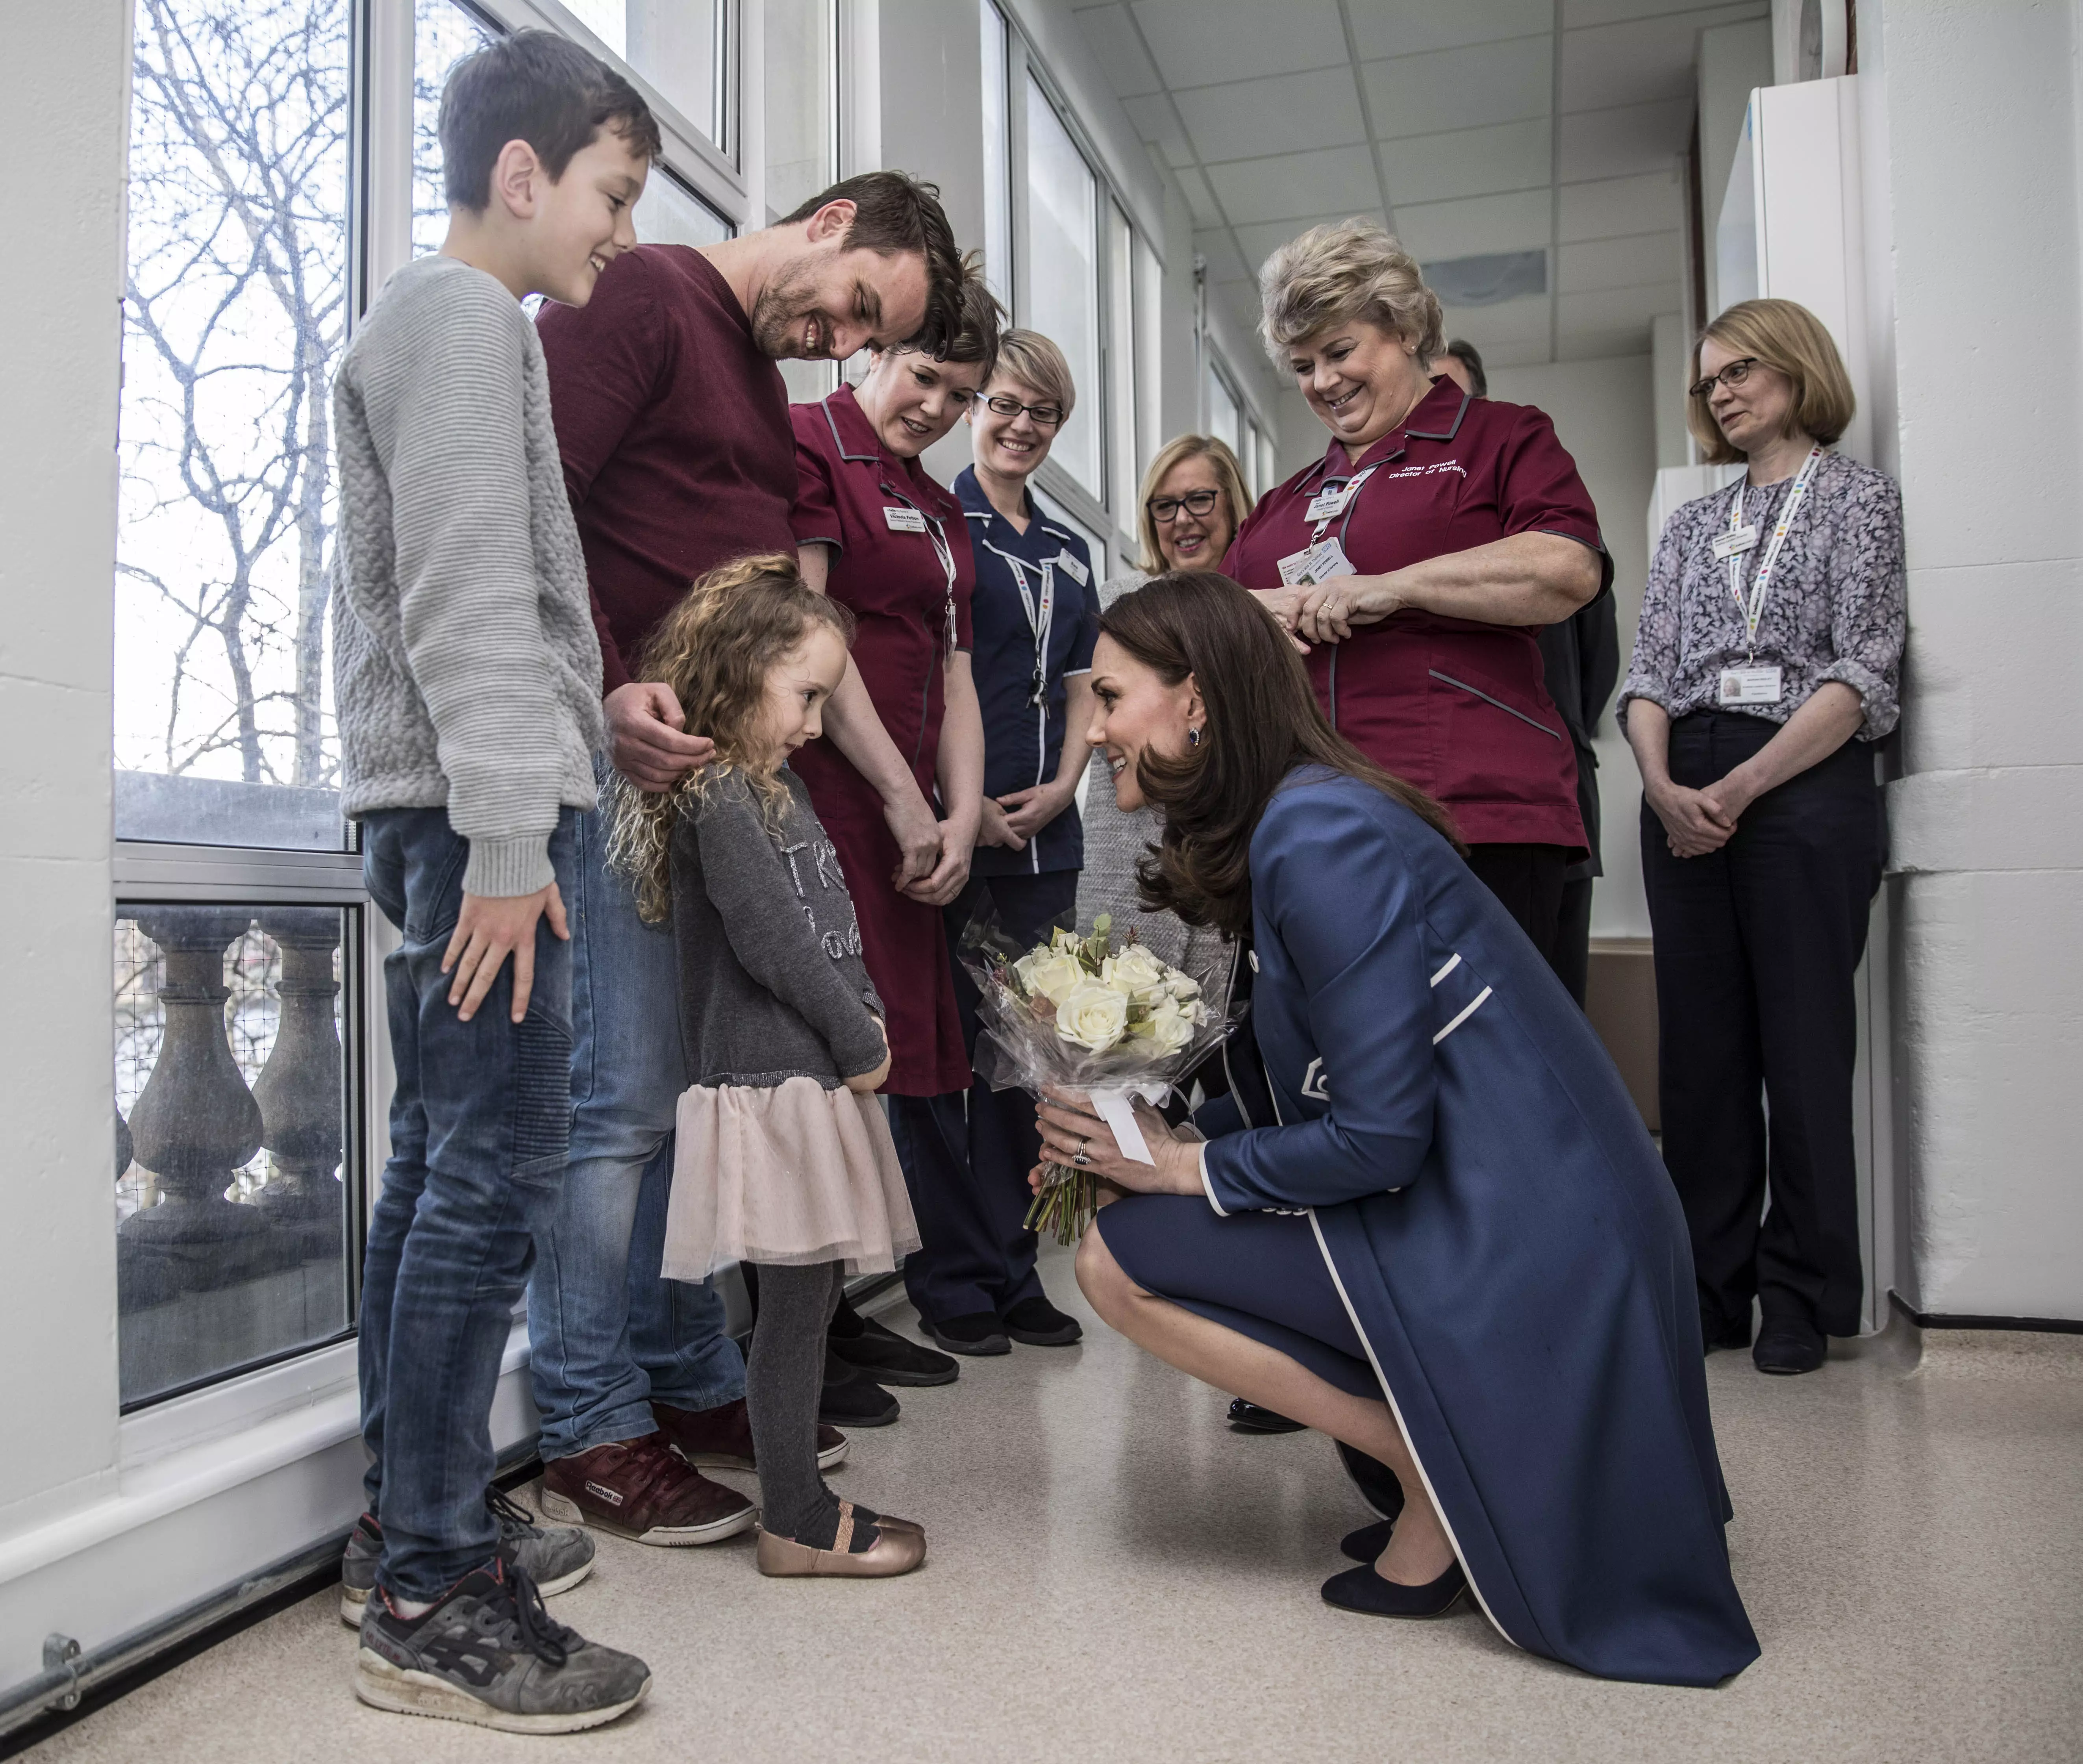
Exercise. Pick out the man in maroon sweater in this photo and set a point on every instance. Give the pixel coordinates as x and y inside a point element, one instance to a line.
<point>673,421</point>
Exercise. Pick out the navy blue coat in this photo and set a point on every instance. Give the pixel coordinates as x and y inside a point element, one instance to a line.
<point>1505,1238</point>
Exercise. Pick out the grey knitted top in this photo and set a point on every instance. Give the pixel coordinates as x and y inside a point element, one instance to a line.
<point>466,666</point>
<point>1115,842</point>
<point>772,985</point>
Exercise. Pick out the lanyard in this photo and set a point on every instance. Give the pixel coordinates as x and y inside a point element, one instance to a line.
<point>941,549</point>
<point>1347,493</point>
<point>1041,619</point>
<point>1752,610</point>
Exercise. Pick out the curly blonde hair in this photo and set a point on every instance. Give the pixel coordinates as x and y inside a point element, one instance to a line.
<point>1347,270</point>
<point>714,650</point>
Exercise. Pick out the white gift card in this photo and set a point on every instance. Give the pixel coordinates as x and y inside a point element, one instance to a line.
<point>1073,568</point>
<point>1117,1108</point>
<point>904,520</point>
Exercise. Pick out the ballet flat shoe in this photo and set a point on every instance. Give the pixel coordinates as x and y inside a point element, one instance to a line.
<point>893,1553</point>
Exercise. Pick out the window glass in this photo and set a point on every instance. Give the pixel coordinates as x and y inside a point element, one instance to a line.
<point>802,139</point>
<point>672,42</point>
<point>1222,410</point>
<point>442,34</point>
<point>234,313</point>
<point>1125,467</point>
<point>997,158</point>
<point>1268,469</point>
<point>670,214</point>
<point>1052,508</point>
<point>231,1236</point>
<point>1062,276</point>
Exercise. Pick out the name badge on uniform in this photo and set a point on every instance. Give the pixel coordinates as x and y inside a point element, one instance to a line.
<point>1072,568</point>
<point>1316,564</point>
<point>1733,543</point>
<point>1326,504</point>
<point>904,520</point>
<point>1749,686</point>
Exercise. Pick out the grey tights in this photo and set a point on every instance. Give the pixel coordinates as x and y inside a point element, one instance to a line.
<point>784,1378</point>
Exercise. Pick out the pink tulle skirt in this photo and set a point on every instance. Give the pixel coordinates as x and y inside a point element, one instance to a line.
<point>793,1174</point>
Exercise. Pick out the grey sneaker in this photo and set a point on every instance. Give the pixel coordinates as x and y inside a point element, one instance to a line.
<point>556,1558</point>
<point>489,1654</point>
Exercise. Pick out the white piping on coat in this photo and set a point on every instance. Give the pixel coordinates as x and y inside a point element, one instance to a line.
<point>1466,1011</point>
<point>1324,1249</point>
<point>1453,962</point>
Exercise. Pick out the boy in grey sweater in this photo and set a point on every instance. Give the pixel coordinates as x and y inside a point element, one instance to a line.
<point>467,679</point>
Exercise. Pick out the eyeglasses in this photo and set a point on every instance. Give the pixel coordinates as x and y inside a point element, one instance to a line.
<point>1732,376</point>
<point>1044,415</point>
<point>1164,510</point>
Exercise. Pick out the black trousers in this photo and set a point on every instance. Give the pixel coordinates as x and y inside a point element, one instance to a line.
<point>967,1155</point>
<point>1572,957</point>
<point>1528,880</point>
<point>1755,948</point>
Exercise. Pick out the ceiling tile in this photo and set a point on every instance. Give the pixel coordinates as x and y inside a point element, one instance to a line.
<point>1466,161</point>
<point>1523,320</point>
<point>1114,38</point>
<point>1420,94</point>
<point>1512,222</point>
<point>1626,64</point>
<point>1262,239</point>
<point>1285,113</point>
<point>1613,206</point>
<point>1622,263</point>
<point>1203,42</point>
<point>1198,200</point>
<point>1289,183</point>
<point>1158,124</point>
<point>1613,307</point>
<point>1577,12</point>
<point>1412,27</point>
<point>1616,143</point>
<point>1219,250</point>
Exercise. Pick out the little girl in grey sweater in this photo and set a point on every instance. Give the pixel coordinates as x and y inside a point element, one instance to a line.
<point>784,1159</point>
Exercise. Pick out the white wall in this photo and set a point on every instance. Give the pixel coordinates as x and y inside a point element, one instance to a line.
<point>1603,413</point>
<point>1986,824</point>
<point>1733,60</point>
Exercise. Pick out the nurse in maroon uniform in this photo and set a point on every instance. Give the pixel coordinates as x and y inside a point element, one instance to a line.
<point>876,531</point>
<point>1420,557</point>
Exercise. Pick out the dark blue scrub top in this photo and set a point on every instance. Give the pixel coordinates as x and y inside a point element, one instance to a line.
<point>1023,741</point>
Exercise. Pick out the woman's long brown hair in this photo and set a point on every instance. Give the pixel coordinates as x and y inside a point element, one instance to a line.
<point>1263,721</point>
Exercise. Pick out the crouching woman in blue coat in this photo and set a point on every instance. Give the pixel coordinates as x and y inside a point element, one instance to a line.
<point>1454,1206</point>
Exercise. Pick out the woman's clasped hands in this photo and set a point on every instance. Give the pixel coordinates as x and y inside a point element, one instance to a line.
<point>1327,612</point>
<point>1072,1134</point>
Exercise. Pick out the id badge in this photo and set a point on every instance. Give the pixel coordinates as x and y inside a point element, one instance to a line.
<point>904,520</point>
<point>1733,544</point>
<point>1328,559</point>
<point>1749,686</point>
<point>1073,568</point>
<point>1293,564</point>
<point>1326,504</point>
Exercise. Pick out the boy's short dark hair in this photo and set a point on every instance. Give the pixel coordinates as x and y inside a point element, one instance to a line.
<point>894,212</point>
<point>536,86</point>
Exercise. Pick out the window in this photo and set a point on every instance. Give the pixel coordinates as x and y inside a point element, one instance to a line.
<point>677,46</point>
<point>997,157</point>
<point>236,310</point>
<point>1223,413</point>
<point>802,136</point>
<point>1061,276</point>
<point>1269,471</point>
<point>1124,463</point>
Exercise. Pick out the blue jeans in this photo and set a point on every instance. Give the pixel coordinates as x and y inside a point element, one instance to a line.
<point>609,1334</point>
<point>479,1122</point>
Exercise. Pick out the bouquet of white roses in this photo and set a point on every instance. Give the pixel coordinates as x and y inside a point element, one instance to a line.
<point>1088,1012</point>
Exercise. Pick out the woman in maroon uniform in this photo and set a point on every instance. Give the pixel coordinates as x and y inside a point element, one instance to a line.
<point>1419,558</point>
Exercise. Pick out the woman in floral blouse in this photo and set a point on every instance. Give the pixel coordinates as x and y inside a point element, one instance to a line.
<point>1765,665</point>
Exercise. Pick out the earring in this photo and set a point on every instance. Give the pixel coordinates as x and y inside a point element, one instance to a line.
<point>1193,738</point>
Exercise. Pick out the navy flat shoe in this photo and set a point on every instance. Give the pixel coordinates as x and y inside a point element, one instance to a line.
<point>1361,1589</point>
<point>1366,1544</point>
<point>1249,1418</point>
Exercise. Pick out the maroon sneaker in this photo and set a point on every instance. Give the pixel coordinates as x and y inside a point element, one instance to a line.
<point>637,1488</point>
<point>721,1438</point>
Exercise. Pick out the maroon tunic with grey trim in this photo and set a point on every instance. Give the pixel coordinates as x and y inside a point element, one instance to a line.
<point>907,613</point>
<point>1459,708</point>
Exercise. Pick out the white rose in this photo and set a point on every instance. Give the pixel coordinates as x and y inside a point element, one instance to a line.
<point>1050,973</point>
<point>1168,1030</point>
<point>1092,1018</point>
<point>1180,986</point>
<point>1134,971</point>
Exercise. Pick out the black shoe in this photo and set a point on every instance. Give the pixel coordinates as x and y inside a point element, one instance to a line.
<point>887,1357</point>
<point>849,1399</point>
<point>1375,1480</point>
<point>1788,1345</point>
<point>1361,1589</point>
<point>1039,1324</point>
<point>1717,1332</point>
<point>1248,1418</point>
<point>979,1333</point>
<point>1366,1544</point>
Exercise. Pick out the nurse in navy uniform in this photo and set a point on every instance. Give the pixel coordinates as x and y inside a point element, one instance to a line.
<point>1456,1249</point>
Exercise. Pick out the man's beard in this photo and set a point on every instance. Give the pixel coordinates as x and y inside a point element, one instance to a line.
<point>779,318</point>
